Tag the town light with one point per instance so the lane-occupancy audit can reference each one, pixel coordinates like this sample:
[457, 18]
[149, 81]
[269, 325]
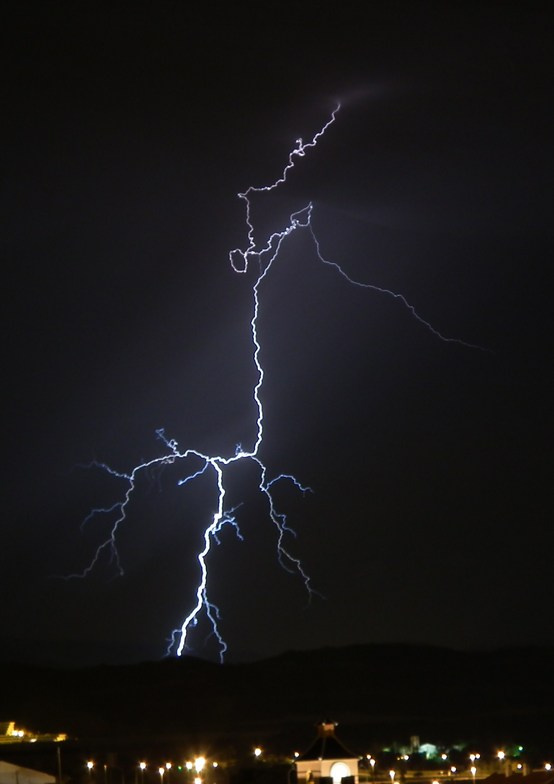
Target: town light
[257, 752]
[392, 774]
[199, 764]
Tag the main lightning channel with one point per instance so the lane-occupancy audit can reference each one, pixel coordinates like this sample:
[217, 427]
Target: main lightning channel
[266, 254]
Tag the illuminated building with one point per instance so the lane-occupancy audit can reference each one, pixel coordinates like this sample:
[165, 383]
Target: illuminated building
[15, 774]
[9, 733]
[327, 760]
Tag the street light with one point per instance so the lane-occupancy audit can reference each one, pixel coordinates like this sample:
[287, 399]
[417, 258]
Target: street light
[90, 766]
[199, 764]
[392, 774]
[161, 771]
[371, 762]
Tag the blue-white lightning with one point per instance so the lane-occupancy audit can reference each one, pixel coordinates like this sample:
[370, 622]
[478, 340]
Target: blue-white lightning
[198, 463]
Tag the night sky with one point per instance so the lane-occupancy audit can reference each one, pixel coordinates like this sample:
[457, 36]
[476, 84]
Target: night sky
[127, 134]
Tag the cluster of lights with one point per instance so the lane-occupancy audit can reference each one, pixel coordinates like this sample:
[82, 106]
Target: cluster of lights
[371, 761]
[31, 737]
[501, 755]
[198, 765]
[164, 769]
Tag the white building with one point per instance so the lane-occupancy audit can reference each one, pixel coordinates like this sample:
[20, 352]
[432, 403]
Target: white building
[15, 774]
[327, 759]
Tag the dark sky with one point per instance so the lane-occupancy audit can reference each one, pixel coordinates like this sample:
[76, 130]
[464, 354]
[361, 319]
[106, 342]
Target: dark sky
[127, 134]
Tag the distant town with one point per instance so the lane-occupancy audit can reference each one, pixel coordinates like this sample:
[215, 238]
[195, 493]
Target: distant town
[35, 757]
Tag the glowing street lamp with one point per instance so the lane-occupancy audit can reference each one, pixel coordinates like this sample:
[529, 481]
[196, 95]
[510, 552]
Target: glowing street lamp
[392, 774]
[90, 766]
[199, 764]
[161, 771]
[257, 752]
[473, 770]
[372, 763]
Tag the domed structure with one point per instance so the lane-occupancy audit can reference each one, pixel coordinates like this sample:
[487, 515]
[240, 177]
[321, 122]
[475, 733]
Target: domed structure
[327, 761]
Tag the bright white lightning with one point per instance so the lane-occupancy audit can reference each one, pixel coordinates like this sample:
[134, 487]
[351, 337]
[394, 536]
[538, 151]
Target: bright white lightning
[266, 255]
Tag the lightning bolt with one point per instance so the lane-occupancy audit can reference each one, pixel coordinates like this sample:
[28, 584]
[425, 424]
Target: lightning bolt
[265, 254]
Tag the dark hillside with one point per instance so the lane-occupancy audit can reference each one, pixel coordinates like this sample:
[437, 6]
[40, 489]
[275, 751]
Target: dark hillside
[375, 692]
